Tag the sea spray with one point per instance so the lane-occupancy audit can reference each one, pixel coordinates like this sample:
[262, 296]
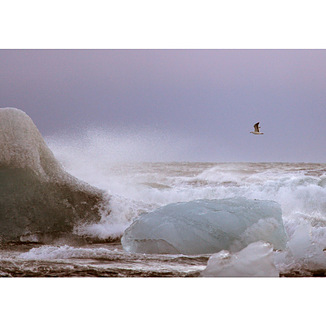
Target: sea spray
[115, 161]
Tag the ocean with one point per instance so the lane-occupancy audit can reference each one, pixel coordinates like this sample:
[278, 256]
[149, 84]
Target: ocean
[97, 204]
[141, 187]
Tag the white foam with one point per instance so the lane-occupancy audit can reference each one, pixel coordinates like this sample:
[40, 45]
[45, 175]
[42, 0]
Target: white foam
[65, 252]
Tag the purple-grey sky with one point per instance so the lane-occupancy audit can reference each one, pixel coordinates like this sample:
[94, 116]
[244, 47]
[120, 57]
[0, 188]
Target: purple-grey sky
[211, 97]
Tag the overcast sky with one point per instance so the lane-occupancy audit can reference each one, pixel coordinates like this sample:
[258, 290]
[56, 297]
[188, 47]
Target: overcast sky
[210, 97]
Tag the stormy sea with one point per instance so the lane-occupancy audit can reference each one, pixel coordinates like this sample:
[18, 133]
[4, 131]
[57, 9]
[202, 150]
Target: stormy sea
[69, 210]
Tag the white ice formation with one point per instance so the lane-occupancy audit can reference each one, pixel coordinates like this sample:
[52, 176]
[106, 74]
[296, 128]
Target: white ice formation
[38, 199]
[256, 260]
[305, 252]
[206, 226]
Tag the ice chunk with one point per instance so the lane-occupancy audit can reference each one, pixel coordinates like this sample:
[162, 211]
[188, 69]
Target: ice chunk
[206, 226]
[304, 253]
[37, 197]
[254, 260]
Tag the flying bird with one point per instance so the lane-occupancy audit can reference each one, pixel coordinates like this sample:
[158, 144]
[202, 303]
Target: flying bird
[256, 132]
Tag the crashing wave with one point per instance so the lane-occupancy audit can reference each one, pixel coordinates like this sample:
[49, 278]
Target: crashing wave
[206, 226]
[38, 199]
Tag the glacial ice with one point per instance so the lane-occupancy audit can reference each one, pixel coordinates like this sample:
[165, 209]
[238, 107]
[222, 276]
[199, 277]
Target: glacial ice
[38, 199]
[254, 260]
[206, 226]
[304, 253]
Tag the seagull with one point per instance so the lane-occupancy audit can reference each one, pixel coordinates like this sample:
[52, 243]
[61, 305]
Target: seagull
[256, 132]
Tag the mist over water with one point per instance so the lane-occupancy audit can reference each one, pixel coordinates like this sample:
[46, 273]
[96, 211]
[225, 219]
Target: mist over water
[121, 145]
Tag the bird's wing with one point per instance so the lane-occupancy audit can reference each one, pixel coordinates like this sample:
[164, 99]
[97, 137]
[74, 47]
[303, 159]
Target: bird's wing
[256, 127]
